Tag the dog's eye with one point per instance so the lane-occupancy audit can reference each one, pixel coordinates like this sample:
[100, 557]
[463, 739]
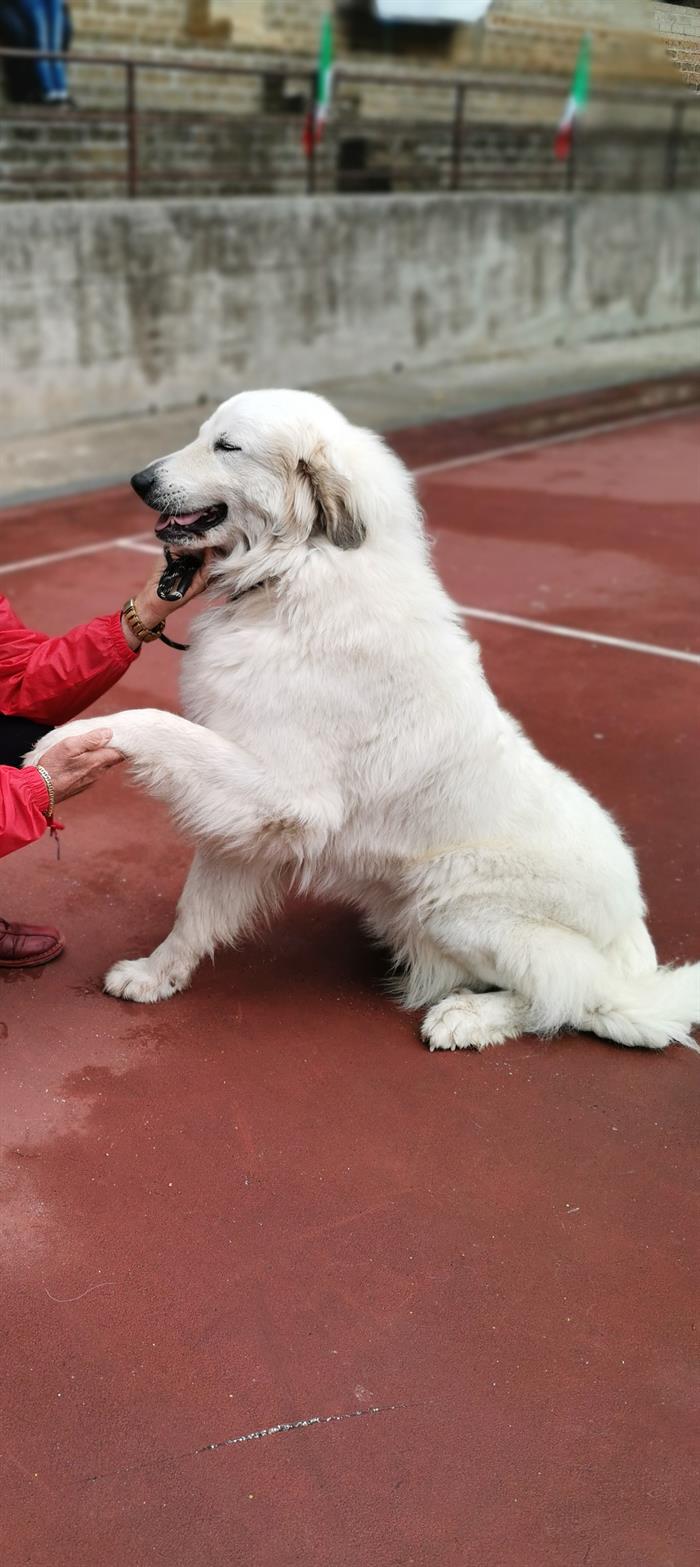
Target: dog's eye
[225, 446]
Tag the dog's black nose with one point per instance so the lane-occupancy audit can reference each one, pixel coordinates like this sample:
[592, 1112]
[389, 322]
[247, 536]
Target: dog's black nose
[144, 481]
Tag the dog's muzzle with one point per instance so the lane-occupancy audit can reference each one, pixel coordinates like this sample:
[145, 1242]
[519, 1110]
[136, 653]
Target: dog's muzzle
[175, 527]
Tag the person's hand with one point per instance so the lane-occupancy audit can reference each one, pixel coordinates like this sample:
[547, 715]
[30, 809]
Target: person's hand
[73, 765]
[150, 609]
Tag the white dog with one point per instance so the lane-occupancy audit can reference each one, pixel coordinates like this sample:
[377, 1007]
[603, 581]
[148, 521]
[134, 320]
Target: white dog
[342, 737]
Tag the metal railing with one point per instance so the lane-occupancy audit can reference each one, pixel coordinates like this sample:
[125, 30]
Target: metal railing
[461, 87]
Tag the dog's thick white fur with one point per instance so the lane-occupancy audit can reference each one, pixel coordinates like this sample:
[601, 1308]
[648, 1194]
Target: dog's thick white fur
[342, 737]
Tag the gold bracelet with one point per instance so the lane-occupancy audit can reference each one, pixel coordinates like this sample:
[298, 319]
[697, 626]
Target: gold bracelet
[141, 632]
[49, 790]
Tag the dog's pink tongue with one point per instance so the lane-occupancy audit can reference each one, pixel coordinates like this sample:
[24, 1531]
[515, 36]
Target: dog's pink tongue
[182, 521]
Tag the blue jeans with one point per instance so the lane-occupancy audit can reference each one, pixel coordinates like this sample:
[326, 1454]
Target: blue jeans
[47, 23]
[38, 24]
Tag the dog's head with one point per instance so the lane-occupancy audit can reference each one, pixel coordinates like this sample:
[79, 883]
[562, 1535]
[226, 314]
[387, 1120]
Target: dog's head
[269, 471]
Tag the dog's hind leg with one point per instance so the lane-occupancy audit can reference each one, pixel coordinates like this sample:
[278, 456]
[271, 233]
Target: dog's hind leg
[218, 903]
[465, 1021]
[554, 977]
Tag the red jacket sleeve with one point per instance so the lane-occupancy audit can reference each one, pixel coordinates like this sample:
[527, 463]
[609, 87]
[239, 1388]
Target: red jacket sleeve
[51, 679]
[23, 800]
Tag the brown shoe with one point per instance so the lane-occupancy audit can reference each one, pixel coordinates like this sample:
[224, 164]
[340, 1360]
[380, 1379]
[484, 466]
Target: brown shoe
[27, 946]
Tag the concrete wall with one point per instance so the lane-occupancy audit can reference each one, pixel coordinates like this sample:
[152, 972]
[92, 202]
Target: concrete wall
[109, 308]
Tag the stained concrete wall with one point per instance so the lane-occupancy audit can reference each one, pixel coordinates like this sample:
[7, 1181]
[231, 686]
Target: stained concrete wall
[110, 308]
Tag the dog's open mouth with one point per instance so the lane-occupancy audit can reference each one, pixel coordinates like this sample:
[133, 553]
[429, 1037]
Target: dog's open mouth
[178, 528]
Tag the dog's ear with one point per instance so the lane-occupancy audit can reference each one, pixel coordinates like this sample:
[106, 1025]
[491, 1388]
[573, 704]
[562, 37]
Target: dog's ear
[335, 512]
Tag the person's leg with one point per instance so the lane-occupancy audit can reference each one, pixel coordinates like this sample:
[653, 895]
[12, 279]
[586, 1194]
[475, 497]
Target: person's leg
[36, 20]
[24, 946]
[17, 736]
[56, 30]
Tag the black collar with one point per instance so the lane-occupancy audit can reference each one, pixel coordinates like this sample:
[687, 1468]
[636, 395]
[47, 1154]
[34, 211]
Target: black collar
[254, 587]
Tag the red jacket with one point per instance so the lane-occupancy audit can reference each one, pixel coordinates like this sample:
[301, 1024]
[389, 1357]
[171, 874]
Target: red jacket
[49, 679]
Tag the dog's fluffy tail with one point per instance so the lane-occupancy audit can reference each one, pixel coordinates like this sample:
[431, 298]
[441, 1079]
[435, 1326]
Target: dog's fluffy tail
[653, 1009]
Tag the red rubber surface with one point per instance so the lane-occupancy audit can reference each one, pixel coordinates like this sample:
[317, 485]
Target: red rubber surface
[264, 1202]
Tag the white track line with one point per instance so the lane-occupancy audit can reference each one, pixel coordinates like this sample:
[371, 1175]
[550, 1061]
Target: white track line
[608, 428]
[134, 544]
[50, 560]
[81, 549]
[599, 638]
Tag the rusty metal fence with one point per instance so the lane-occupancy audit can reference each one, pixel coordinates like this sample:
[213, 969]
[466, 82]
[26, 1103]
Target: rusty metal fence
[357, 153]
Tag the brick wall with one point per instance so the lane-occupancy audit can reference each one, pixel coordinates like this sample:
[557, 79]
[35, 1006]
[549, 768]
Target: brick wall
[129, 22]
[404, 129]
[521, 37]
[679, 27]
[518, 35]
[238, 156]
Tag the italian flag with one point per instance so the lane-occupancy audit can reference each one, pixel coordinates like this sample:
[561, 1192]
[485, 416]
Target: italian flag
[316, 118]
[576, 101]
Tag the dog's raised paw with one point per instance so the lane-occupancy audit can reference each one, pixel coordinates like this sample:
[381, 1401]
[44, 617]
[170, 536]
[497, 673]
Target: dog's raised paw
[135, 979]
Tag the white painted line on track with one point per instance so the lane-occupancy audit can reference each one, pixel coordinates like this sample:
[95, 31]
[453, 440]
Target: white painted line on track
[559, 439]
[33, 561]
[135, 544]
[553, 630]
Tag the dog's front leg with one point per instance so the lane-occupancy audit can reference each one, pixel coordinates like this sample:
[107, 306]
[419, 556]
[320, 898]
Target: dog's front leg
[218, 903]
[217, 792]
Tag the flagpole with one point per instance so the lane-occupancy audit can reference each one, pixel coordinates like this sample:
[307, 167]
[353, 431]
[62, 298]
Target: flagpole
[311, 148]
[571, 160]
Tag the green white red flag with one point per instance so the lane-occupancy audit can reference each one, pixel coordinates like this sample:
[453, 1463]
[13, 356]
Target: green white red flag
[576, 101]
[315, 122]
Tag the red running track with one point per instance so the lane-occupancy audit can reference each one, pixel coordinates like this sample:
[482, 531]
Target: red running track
[463, 1286]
